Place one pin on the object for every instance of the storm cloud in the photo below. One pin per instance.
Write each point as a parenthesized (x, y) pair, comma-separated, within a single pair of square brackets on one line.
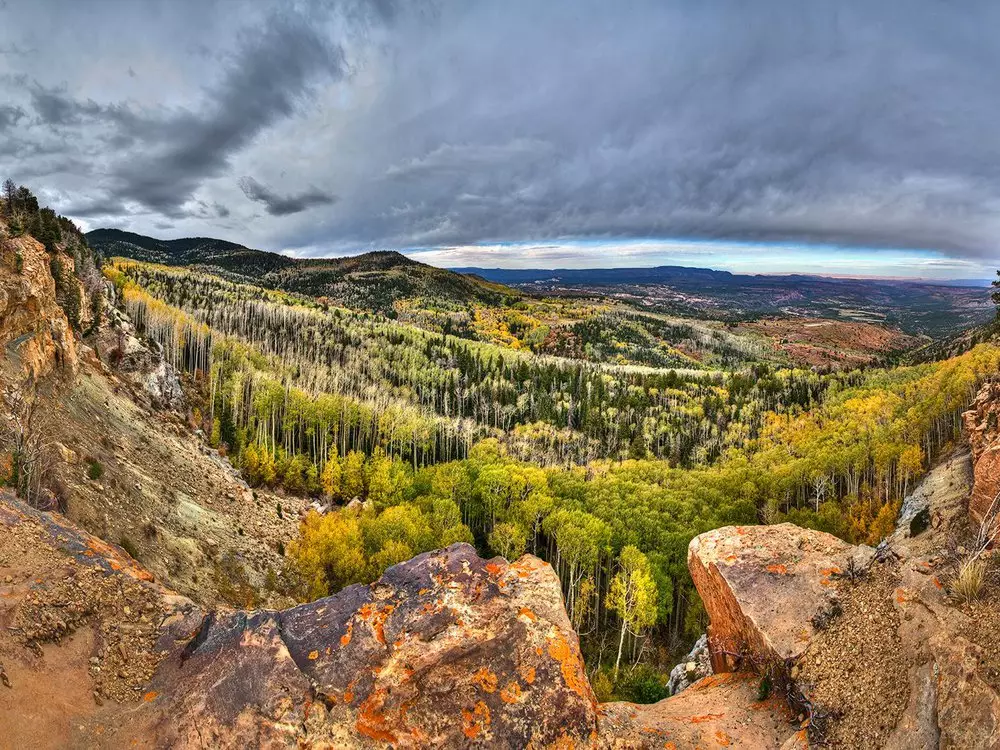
[(284, 205), (457, 124)]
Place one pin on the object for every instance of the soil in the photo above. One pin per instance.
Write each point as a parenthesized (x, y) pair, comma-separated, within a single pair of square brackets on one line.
[(74, 641), (983, 629), (173, 503), (838, 343), (857, 667)]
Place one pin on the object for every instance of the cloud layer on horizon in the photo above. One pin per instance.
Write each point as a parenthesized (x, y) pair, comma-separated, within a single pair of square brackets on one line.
[(328, 127)]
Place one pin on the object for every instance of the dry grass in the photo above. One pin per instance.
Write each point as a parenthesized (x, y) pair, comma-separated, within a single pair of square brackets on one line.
[(968, 584)]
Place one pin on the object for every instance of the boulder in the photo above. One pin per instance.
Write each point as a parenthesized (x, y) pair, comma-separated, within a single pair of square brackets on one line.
[(765, 588), (718, 711), (693, 667)]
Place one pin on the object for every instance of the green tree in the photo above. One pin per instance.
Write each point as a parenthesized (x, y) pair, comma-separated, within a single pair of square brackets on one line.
[(331, 477), (632, 595), (508, 540), (353, 475), (328, 553)]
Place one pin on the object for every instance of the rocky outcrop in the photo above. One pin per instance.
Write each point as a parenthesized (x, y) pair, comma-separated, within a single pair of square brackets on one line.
[(766, 590), (140, 361), (874, 651), (719, 711), (982, 425), (34, 332), (445, 650), (696, 665)]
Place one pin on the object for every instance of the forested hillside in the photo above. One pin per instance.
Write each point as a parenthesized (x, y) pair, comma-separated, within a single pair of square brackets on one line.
[(608, 324), (606, 471), (431, 396), (375, 281)]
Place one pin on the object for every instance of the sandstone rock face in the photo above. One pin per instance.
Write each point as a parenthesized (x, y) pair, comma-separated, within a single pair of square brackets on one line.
[(765, 589), (34, 332), (718, 711), (982, 425)]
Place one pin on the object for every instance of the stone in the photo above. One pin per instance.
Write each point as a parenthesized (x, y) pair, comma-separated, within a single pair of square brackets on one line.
[(443, 649), (695, 665), (67, 455), (718, 711), (765, 588)]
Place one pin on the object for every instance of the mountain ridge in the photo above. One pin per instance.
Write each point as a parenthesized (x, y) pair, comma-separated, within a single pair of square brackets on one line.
[(375, 281)]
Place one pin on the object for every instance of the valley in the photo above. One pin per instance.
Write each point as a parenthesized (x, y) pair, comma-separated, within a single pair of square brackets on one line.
[(915, 307), (258, 432)]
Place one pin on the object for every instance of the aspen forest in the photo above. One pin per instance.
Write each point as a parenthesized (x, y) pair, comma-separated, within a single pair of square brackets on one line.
[(414, 439)]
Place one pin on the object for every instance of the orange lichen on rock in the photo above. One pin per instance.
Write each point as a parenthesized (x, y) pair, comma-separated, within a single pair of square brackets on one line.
[(512, 693), (723, 738), (370, 722), (150, 696), (376, 617), (349, 692), (525, 612), (704, 718), (528, 675), (313, 655), (778, 569), (563, 742), (486, 679), (475, 721), (570, 665), (346, 637), (714, 680)]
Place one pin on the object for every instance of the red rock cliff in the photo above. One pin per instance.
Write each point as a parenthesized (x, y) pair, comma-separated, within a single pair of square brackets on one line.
[(35, 335), (982, 425)]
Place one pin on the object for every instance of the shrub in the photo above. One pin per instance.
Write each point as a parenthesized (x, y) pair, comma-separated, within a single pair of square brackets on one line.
[(94, 469), (603, 686), (643, 684), (969, 582)]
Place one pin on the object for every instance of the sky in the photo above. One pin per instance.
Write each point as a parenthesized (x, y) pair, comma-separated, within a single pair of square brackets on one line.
[(856, 137)]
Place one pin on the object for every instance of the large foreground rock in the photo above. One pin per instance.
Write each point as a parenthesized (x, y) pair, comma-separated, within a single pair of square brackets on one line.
[(444, 650), (766, 588)]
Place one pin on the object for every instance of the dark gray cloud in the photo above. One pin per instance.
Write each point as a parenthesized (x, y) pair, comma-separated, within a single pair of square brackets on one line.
[(452, 122), (261, 85), (284, 205), (10, 115)]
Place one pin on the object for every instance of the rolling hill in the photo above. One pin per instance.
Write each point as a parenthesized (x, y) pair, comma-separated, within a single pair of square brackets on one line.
[(373, 281)]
